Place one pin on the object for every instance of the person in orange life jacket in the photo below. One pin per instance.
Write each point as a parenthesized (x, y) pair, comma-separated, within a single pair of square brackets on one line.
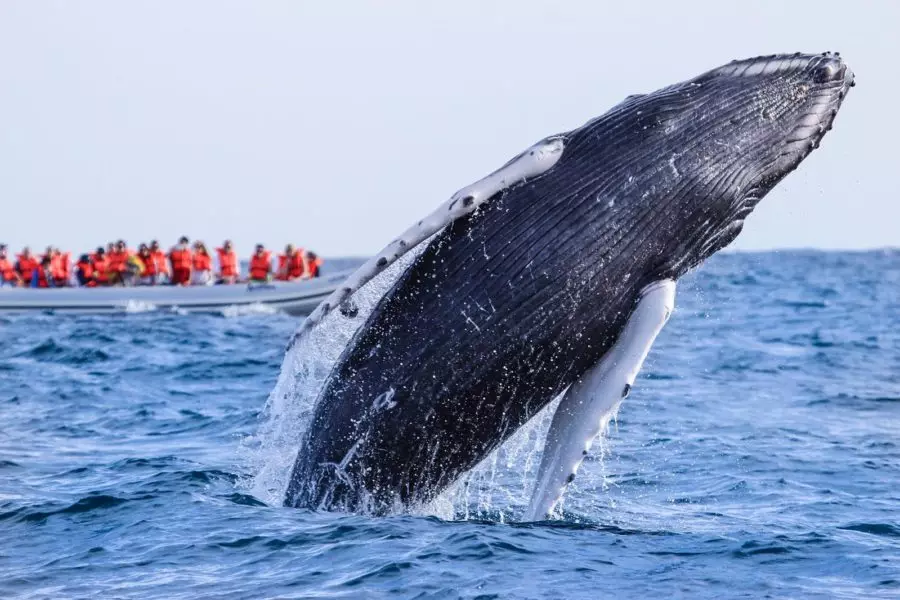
[(84, 271), (40, 276), (118, 262), (161, 263), (59, 266), (202, 265), (291, 264), (65, 267), (180, 256), (228, 264), (54, 260), (313, 264), (101, 267), (8, 275), (149, 274), (25, 265), (260, 265)]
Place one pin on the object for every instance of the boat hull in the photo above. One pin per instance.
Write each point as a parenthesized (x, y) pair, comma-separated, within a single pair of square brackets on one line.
[(295, 298)]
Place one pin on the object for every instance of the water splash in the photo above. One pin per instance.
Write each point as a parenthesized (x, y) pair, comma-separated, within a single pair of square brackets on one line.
[(138, 306), (240, 310), (270, 453)]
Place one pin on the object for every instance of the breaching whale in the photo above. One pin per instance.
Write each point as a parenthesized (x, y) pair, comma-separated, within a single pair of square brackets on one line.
[(553, 275)]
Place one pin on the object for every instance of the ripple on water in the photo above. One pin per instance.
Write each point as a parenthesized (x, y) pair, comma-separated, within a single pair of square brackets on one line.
[(756, 456)]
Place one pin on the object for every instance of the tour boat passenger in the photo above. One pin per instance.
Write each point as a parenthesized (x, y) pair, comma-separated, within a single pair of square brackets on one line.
[(180, 256), (260, 265), (229, 271), (202, 265)]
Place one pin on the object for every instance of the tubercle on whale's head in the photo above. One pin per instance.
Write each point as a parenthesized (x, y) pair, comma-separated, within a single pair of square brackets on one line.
[(770, 113)]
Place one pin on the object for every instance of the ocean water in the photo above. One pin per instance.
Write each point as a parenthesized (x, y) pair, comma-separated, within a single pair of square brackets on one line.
[(141, 456)]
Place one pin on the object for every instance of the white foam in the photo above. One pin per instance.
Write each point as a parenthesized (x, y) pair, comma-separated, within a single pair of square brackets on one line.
[(270, 453), (240, 310), (138, 306)]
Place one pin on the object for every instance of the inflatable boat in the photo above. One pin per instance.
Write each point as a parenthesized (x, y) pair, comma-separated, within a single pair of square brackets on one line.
[(292, 297)]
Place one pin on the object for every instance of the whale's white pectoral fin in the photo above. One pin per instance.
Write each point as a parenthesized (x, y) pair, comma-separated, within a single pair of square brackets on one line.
[(589, 403), (536, 160)]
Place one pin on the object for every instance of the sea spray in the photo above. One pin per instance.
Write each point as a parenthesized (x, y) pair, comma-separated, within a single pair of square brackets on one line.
[(269, 454)]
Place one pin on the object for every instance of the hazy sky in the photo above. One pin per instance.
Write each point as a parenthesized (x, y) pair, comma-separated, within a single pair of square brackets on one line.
[(337, 124)]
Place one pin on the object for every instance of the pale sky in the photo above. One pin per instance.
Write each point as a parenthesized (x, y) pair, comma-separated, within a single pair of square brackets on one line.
[(334, 125)]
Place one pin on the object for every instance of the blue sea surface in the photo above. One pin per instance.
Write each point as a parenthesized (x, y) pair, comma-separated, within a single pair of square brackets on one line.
[(757, 456)]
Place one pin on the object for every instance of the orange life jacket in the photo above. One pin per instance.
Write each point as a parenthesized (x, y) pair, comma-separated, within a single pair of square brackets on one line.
[(202, 262), (42, 276), (117, 261), (59, 267), (86, 268), (296, 265), (101, 268), (312, 266), (149, 262), (291, 267), (65, 264), (181, 259), (7, 270), (227, 263), (281, 273), (260, 266), (161, 264), (26, 267)]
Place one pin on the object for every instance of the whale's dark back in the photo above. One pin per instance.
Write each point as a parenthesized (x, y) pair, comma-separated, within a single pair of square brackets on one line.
[(507, 307)]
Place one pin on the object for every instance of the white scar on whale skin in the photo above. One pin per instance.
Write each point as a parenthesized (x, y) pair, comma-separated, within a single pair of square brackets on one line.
[(590, 402), (534, 161)]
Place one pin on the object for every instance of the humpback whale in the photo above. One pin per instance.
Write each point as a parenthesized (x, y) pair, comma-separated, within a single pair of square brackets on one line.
[(551, 276)]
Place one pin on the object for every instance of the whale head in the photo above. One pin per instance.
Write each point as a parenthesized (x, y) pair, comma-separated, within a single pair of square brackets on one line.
[(723, 140)]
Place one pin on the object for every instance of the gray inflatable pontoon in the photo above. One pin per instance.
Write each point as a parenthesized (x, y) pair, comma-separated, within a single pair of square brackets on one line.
[(295, 298)]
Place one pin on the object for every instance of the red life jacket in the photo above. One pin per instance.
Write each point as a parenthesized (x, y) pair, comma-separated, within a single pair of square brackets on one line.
[(42, 276), (291, 267), (101, 268), (86, 268), (202, 262), (261, 265), (117, 261), (227, 263), (312, 266), (296, 265), (26, 267), (59, 267), (161, 264), (65, 264), (7, 270), (149, 262), (181, 259)]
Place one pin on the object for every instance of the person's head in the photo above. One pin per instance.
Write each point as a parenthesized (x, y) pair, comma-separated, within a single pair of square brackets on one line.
[(100, 252), (48, 251), (227, 246), (289, 249), (311, 255), (144, 249), (84, 258), (200, 247), (26, 251), (184, 240), (45, 262), (120, 245), (3, 250), (111, 247), (154, 245), (260, 249)]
